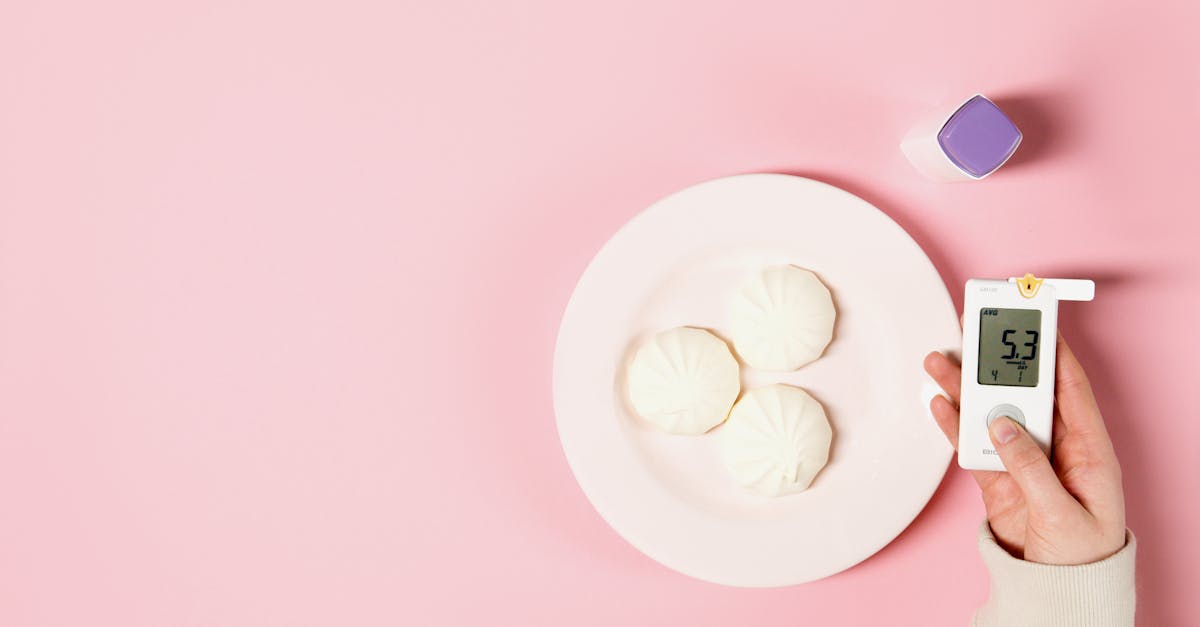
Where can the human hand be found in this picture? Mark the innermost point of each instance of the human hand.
(1067, 511)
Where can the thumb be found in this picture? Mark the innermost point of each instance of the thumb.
(1026, 463)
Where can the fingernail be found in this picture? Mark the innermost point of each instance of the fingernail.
(1003, 430)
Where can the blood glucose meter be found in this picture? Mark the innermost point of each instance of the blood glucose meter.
(1010, 331)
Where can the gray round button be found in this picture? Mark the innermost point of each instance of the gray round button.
(1012, 411)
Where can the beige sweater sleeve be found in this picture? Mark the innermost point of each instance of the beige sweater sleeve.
(1027, 594)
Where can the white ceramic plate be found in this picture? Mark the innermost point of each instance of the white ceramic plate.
(678, 263)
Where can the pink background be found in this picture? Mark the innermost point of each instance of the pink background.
(280, 284)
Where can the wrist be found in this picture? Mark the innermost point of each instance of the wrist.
(1080, 547)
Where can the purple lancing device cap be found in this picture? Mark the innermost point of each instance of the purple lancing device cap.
(979, 138)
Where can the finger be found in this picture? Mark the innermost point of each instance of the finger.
(1058, 433)
(945, 414)
(1076, 402)
(946, 373)
(1090, 473)
(1027, 464)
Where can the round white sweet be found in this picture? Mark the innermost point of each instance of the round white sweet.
(776, 440)
(683, 380)
(782, 319)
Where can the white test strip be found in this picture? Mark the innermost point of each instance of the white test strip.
(1069, 289)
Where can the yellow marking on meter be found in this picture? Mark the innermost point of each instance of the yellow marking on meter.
(1029, 285)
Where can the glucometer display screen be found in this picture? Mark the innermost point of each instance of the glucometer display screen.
(1009, 346)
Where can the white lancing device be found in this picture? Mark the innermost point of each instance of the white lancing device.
(1010, 330)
